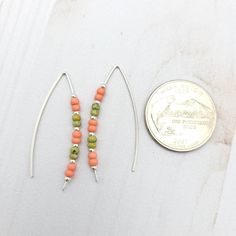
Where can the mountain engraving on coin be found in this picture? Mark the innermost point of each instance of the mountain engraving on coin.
(180, 115)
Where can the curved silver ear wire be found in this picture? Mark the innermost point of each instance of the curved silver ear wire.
(32, 150)
(116, 67)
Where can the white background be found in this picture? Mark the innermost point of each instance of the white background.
(153, 41)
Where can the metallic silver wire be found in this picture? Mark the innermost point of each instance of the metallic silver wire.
(34, 138)
(64, 185)
(95, 175)
(116, 67)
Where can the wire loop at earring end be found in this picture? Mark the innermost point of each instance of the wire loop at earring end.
(95, 173)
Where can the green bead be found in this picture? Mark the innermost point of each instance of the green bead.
(94, 112)
(92, 139)
(76, 123)
(73, 156)
(96, 106)
(92, 145)
(74, 150)
(76, 117)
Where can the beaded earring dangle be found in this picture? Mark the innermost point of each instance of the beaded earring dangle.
(76, 135)
(93, 122)
(92, 127)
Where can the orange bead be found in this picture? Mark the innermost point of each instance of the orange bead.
(75, 107)
(92, 155)
(69, 173)
(98, 97)
(71, 166)
(74, 101)
(76, 134)
(101, 91)
(93, 122)
(93, 162)
(76, 140)
(92, 128)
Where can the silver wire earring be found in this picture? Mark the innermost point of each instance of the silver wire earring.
(76, 135)
(92, 126)
(92, 123)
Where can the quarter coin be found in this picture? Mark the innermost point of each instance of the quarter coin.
(180, 115)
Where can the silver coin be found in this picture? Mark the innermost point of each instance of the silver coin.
(180, 115)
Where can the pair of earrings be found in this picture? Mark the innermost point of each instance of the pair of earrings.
(92, 127)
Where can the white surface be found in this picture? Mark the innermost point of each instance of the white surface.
(225, 223)
(153, 41)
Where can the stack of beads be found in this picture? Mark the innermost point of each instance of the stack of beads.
(76, 139)
(92, 128)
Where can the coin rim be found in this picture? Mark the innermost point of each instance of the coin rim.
(165, 145)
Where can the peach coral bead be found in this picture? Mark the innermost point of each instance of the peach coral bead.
(74, 101)
(76, 140)
(93, 122)
(92, 162)
(92, 128)
(71, 166)
(92, 155)
(69, 173)
(75, 107)
(76, 134)
(98, 97)
(101, 91)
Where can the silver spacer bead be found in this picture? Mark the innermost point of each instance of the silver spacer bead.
(72, 161)
(77, 128)
(93, 117)
(75, 145)
(91, 133)
(67, 179)
(96, 101)
(91, 150)
(94, 167)
(103, 85)
(76, 112)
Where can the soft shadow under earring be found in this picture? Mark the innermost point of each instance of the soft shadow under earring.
(76, 135)
(92, 123)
